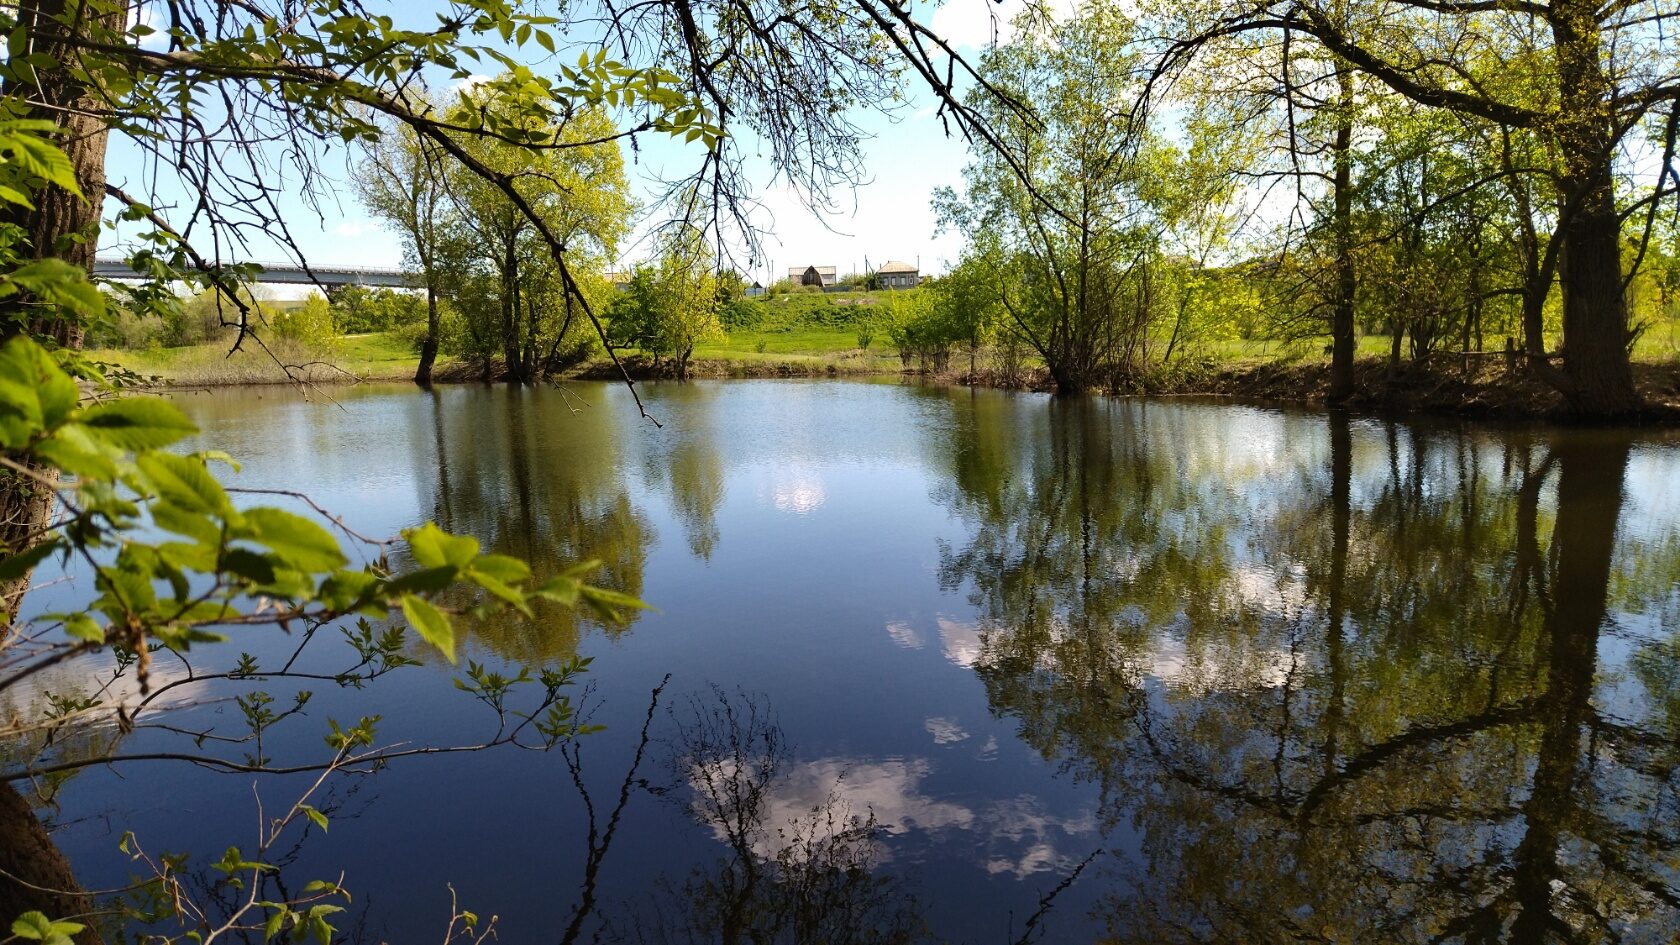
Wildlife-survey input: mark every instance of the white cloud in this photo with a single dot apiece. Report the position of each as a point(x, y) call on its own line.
point(1015, 835)
point(945, 731)
point(961, 641)
point(360, 227)
point(972, 24)
point(904, 635)
point(852, 791)
point(463, 85)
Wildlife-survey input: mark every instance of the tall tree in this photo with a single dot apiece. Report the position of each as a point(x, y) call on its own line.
point(1587, 75)
point(400, 179)
point(1064, 206)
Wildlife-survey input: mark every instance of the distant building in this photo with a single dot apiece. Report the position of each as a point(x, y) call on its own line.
point(897, 275)
point(755, 290)
point(620, 279)
point(819, 276)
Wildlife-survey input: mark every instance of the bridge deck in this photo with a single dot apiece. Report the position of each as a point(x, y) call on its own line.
point(288, 274)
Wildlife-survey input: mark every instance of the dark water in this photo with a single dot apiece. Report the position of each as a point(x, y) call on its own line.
point(1214, 673)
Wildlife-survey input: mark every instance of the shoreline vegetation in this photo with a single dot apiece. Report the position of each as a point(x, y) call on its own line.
point(1480, 385)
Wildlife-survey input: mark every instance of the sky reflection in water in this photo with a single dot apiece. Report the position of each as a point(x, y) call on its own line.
point(1287, 678)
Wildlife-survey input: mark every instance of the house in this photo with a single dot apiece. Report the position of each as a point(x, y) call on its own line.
point(620, 279)
point(897, 275)
point(820, 276)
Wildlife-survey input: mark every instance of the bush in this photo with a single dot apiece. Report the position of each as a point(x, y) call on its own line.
point(127, 330)
point(310, 323)
point(357, 310)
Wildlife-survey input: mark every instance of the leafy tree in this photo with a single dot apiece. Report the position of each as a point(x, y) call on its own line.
point(310, 323)
point(672, 304)
point(1585, 78)
point(1070, 216)
point(400, 179)
point(580, 195)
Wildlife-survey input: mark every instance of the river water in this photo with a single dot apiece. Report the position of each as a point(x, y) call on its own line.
point(970, 666)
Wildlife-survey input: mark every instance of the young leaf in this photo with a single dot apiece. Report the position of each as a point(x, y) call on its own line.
point(137, 423)
point(432, 624)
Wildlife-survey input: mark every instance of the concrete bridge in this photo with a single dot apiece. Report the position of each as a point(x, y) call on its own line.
point(330, 277)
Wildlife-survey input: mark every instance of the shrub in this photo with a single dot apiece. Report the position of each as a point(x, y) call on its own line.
point(310, 323)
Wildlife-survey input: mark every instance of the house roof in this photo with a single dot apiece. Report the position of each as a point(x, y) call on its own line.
point(893, 265)
point(797, 271)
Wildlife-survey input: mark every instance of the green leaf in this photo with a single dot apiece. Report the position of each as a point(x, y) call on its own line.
point(609, 603)
point(59, 282)
point(36, 395)
point(137, 423)
point(433, 547)
point(315, 817)
point(85, 628)
point(432, 624)
point(15, 566)
point(249, 565)
point(172, 518)
point(185, 482)
point(73, 450)
point(36, 927)
point(33, 926)
point(344, 588)
point(296, 541)
point(504, 568)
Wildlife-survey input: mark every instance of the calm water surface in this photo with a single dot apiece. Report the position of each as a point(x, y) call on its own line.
point(939, 657)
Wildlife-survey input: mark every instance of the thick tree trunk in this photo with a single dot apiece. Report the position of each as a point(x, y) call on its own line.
point(34, 875)
point(510, 315)
point(1067, 383)
point(1342, 311)
point(1534, 316)
point(1595, 316)
point(429, 346)
point(62, 225)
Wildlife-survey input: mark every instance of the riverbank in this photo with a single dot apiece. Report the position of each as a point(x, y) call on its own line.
point(1484, 391)
point(1481, 389)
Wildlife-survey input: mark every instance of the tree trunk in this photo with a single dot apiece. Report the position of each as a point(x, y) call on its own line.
point(62, 225)
point(1342, 311)
point(510, 315)
point(429, 346)
point(34, 875)
point(1599, 376)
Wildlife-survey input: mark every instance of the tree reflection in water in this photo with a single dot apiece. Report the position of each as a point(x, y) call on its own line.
point(807, 877)
point(540, 483)
point(1355, 697)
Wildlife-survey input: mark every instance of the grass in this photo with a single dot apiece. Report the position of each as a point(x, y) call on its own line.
point(781, 345)
point(378, 356)
point(769, 349)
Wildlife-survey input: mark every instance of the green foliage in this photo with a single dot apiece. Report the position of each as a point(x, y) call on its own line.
point(358, 310)
point(35, 927)
point(672, 305)
point(211, 559)
point(310, 323)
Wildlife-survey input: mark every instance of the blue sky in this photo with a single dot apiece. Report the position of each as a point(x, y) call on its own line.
point(888, 217)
